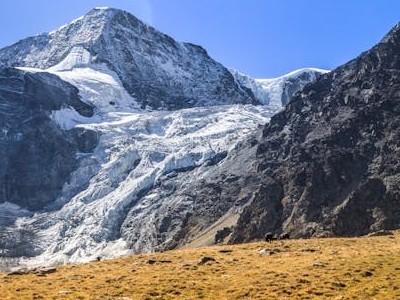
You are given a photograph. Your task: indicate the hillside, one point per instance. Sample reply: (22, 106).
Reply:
(329, 163)
(339, 268)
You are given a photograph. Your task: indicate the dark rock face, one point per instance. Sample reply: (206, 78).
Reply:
(36, 156)
(156, 70)
(330, 162)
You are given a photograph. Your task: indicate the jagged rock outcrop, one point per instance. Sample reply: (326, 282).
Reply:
(330, 161)
(157, 71)
(36, 156)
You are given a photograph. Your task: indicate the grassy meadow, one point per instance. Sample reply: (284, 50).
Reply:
(337, 268)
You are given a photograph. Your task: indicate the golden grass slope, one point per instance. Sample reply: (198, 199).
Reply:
(341, 268)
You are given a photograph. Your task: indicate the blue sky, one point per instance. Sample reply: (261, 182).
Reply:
(263, 38)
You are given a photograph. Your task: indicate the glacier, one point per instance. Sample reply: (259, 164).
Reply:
(135, 152)
(137, 149)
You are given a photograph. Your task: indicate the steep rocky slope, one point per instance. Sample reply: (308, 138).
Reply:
(330, 162)
(36, 156)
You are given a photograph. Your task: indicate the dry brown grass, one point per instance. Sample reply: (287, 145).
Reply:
(354, 268)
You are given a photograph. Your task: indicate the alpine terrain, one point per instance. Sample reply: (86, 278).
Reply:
(329, 164)
(115, 138)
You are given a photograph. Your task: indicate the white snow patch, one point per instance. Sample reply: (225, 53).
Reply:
(100, 87)
(68, 118)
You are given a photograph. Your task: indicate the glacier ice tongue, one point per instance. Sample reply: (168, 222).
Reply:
(135, 151)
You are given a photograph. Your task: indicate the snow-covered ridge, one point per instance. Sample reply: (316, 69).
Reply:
(278, 91)
(296, 73)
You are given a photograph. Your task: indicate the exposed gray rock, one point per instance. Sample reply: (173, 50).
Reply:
(205, 259)
(266, 252)
(36, 156)
(36, 271)
(330, 162)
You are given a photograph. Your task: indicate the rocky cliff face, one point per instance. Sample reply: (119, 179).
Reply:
(37, 157)
(157, 71)
(330, 162)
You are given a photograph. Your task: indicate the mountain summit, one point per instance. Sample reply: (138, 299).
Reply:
(157, 71)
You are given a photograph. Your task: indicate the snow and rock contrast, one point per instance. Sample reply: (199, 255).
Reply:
(135, 180)
(329, 164)
(278, 91)
(154, 69)
(115, 138)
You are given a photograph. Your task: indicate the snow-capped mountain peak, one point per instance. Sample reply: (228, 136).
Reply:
(154, 69)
